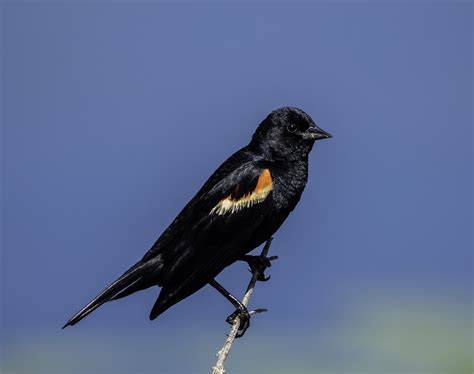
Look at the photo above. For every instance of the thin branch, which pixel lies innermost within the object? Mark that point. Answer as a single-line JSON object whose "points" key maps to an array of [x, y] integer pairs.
{"points": [[218, 368]]}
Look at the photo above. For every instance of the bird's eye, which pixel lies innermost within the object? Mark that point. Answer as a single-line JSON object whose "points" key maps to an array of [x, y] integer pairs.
{"points": [[291, 127]]}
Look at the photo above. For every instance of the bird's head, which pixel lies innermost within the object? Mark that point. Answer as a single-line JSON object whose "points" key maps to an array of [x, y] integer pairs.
{"points": [[288, 132]]}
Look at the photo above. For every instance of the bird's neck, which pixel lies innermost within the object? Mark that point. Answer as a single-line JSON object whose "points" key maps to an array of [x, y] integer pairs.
{"points": [[280, 152]]}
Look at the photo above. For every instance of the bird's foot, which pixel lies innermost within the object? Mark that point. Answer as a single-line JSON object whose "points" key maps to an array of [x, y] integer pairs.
{"points": [[244, 316], [258, 265], [244, 321]]}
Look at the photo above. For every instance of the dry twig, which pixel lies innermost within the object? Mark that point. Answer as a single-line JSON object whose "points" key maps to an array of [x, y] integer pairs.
{"points": [[218, 368]]}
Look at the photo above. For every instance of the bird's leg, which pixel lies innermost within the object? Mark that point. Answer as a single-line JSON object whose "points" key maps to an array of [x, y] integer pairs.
{"points": [[241, 310], [258, 265]]}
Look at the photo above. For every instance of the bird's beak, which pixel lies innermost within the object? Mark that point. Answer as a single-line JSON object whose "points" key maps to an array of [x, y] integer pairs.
{"points": [[316, 133]]}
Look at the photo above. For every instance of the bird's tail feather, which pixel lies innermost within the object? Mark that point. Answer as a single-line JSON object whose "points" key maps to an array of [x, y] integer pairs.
{"points": [[125, 284], [140, 284]]}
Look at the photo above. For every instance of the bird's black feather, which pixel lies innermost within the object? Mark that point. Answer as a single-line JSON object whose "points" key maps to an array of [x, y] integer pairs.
{"points": [[240, 206]]}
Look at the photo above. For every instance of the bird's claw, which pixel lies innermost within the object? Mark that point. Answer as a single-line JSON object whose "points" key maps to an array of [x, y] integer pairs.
{"points": [[258, 265], [244, 316], [244, 321], [257, 311]]}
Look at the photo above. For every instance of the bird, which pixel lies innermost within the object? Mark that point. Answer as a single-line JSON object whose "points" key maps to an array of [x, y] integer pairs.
{"points": [[242, 204]]}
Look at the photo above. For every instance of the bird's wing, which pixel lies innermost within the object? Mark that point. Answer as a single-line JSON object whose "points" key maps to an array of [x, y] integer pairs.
{"points": [[227, 177], [214, 228]]}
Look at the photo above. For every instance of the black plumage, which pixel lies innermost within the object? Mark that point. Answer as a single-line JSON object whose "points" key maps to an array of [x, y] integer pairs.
{"points": [[239, 207]]}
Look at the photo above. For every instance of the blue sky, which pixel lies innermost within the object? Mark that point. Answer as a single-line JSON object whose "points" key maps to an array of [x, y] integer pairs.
{"points": [[115, 114]]}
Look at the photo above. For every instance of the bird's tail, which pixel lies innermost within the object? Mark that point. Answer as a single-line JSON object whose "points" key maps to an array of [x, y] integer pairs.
{"points": [[134, 279]]}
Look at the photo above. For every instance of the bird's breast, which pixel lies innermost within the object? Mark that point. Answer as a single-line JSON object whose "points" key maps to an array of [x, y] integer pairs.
{"points": [[289, 184]]}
